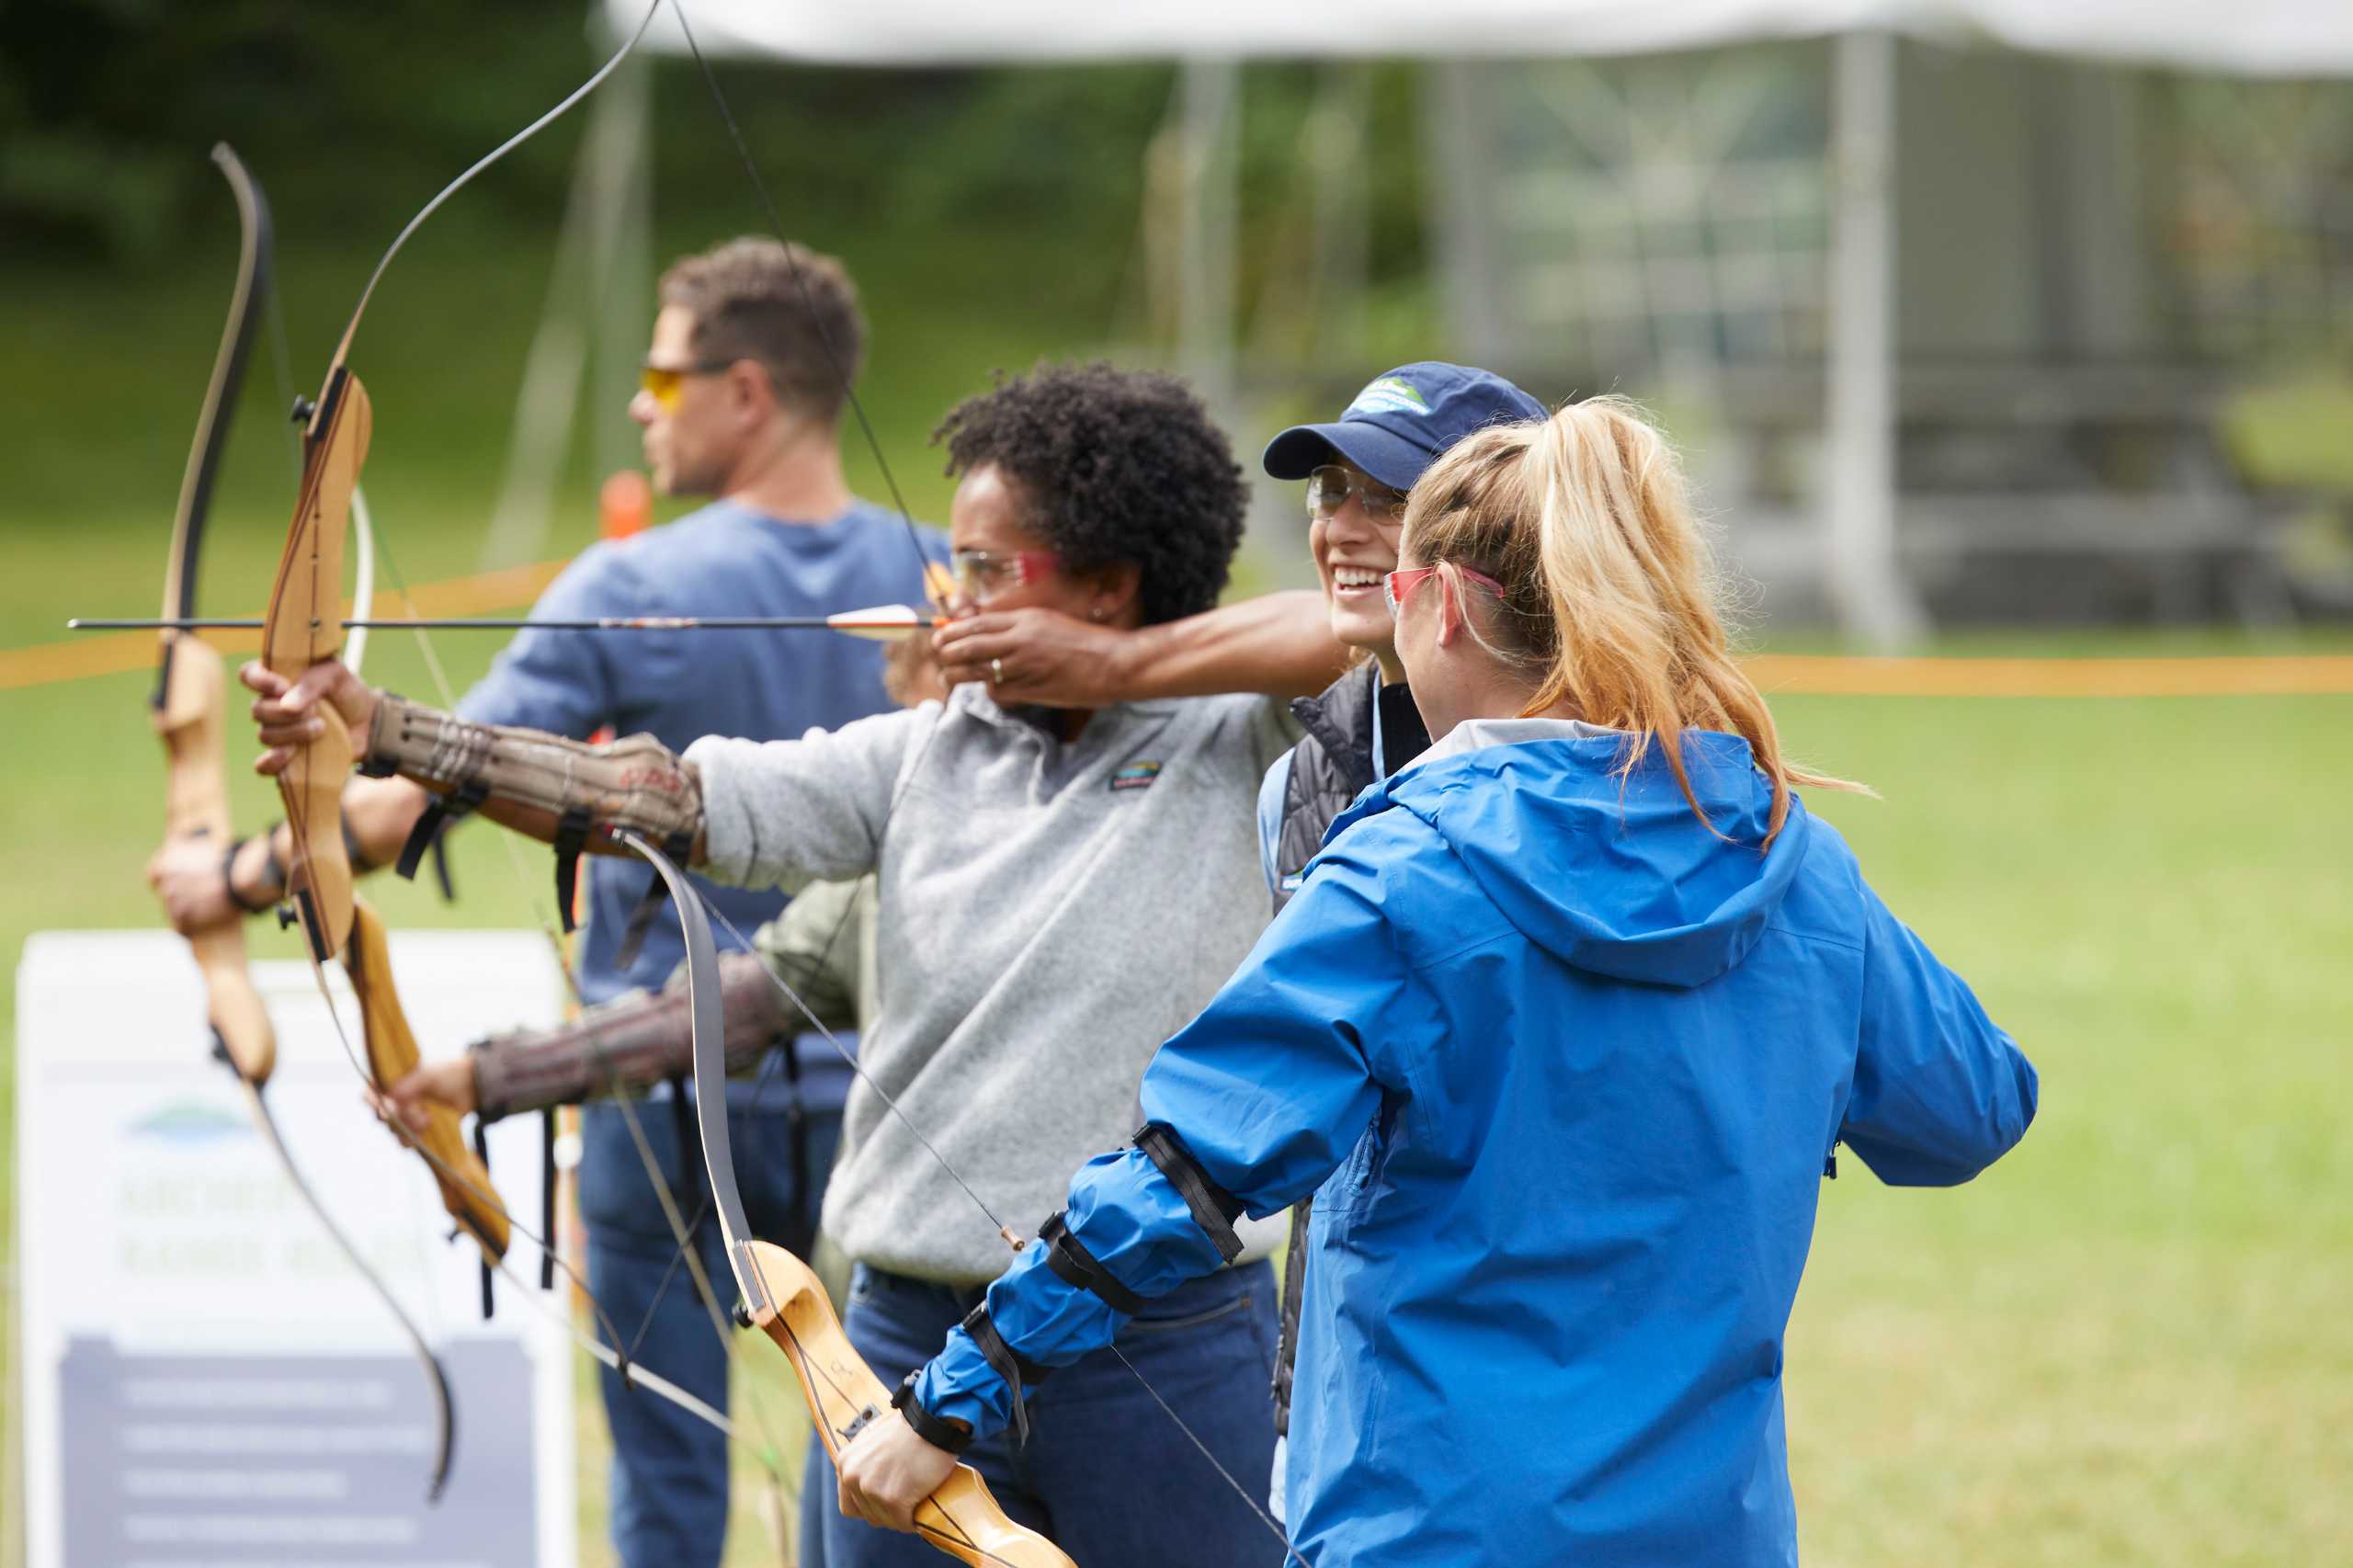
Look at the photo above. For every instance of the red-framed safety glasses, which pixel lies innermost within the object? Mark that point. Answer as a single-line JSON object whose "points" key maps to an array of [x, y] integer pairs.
{"points": [[981, 574], [1396, 585]]}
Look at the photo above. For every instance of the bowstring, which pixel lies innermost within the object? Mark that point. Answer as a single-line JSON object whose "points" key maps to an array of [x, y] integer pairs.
{"points": [[491, 1198], [836, 359], [664, 1194], [840, 369], [455, 186]]}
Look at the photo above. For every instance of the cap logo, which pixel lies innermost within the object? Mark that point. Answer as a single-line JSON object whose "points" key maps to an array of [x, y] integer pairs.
{"points": [[1390, 394]]}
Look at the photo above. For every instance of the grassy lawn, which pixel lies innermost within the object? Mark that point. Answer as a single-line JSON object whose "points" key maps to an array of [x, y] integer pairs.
{"points": [[2126, 1344], [2118, 1346]]}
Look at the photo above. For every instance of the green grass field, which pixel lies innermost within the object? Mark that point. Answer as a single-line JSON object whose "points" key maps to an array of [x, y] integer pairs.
{"points": [[2127, 1344]]}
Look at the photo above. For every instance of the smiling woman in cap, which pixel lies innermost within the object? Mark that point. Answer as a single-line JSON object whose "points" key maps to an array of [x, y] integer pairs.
{"points": [[1364, 726]]}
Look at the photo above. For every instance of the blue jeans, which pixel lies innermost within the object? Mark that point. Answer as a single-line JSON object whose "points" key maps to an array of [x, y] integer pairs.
{"points": [[1107, 1474], [669, 1473]]}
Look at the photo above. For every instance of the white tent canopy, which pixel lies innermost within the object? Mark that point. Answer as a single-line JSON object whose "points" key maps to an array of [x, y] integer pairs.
{"points": [[1856, 538], [2282, 38]]}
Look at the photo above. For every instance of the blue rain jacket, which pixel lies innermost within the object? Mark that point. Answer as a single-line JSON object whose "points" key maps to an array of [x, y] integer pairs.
{"points": [[1562, 1069]]}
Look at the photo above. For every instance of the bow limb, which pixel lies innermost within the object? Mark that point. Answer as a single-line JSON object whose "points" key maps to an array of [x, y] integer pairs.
{"points": [[784, 1299], [187, 711], [188, 702], [464, 1181]]}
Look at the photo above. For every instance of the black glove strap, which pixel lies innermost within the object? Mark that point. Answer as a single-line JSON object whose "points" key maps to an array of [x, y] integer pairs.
{"points": [[939, 1434], [229, 878], [441, 813], [571, 837], [548, 1135], [481, 1152]]}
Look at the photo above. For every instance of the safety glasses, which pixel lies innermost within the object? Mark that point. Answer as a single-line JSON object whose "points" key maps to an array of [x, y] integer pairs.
{"points": [[1396, 587], [666, 384], [1329, 487], [981, 574]]}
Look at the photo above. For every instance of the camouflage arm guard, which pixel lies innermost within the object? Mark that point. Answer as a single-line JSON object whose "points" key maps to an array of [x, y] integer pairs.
{"points": [[635, 782], [628, 1044]]}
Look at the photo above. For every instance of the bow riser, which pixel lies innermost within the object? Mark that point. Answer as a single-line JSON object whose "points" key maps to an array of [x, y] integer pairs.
{"points": [[188, 716], [464, 1181], [303, 627], [962, 1518]]}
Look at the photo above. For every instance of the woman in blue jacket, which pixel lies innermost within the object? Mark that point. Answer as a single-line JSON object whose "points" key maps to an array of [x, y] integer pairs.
{"points": [[1560, 1030]]}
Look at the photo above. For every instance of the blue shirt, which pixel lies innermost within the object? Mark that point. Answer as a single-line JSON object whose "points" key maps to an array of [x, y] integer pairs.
{"points": [[725, 560]]}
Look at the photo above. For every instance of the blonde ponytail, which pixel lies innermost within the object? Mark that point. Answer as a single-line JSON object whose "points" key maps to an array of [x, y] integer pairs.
{"points": [[1609, 603]]}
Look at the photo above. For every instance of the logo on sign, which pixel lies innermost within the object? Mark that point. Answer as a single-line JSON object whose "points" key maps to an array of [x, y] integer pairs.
{"points": [[186, 1121]]}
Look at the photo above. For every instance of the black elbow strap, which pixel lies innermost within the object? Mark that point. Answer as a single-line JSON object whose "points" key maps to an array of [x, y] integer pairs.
{"points": [[1019, 1372], [1214, 1208], [1077, 1267]]}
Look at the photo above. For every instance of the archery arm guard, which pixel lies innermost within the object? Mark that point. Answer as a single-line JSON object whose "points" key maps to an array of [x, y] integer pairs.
{"points": [[570, 792], [630, 1043]]}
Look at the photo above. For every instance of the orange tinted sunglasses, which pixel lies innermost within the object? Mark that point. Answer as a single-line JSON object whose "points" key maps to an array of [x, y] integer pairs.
{"points": [[666, 384]]}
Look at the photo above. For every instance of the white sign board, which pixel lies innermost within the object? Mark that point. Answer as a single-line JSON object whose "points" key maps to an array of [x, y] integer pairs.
{"points": [[207, 1380]]}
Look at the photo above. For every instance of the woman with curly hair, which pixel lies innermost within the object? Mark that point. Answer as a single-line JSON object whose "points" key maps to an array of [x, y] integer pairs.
{"points": [[1562, 1027], [1059, 891]]}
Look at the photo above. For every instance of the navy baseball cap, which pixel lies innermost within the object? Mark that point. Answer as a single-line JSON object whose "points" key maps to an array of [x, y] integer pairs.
{"points": [[1402, 422]]}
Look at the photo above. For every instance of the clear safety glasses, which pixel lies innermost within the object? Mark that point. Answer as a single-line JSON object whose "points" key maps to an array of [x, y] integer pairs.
{"points": [[1329, 487]]}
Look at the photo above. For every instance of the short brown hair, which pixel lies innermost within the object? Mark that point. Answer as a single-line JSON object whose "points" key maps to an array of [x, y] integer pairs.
{"points": [[792, 308]]}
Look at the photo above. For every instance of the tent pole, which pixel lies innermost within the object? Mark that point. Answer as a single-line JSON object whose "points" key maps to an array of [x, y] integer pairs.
{"points": [[585, 306], [621, 263], [1205, 288], [1867, 590], [1462, 219]]}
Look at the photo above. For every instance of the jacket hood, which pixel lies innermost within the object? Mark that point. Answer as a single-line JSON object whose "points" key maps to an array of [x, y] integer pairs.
{"points": [[1613, 875]]}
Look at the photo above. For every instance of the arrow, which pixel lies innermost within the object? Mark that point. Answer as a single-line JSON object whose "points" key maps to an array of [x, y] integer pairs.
{"points": [[882, 623]]}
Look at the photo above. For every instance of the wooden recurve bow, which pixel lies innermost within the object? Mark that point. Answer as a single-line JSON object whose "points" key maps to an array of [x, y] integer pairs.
{"points": [[302, 628], [188, 707], [785, 1300]]}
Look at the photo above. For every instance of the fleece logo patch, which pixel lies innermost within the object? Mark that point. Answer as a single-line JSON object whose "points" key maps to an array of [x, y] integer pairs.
{"points": [[1391, 394], [1135, 776]]}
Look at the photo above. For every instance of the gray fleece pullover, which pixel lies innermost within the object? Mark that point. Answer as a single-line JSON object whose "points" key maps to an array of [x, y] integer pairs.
{"points": [[1048, 913]]}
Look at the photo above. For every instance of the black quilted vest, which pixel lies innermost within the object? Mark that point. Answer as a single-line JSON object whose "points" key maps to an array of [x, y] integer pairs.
{"points": [[1330, 768], [1333, 764]]}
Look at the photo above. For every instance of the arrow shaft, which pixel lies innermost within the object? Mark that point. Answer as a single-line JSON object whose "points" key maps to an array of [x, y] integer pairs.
{"points": [[607, 623]]}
